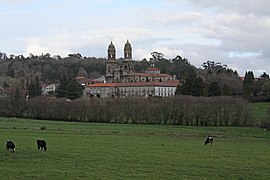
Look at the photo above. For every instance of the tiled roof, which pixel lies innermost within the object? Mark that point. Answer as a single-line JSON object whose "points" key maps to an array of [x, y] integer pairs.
{"points": [[102, 85], [86, 80], [152, 69], [152, 75], [81, 77], [173, 83]]}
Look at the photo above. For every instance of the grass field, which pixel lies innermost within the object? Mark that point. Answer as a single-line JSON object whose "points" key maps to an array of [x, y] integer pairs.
{"points": [[115, 151], [260, 110]]}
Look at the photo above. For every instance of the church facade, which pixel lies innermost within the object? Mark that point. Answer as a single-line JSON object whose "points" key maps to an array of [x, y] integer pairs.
{"points": [[117, 71], [122, 81]]}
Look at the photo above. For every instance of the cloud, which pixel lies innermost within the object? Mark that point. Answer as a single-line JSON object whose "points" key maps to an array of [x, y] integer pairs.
{"points": [[235, 33], [173, 18], [34, 45], [258, 7], [244, 54], [15, 2], [94, 43]]}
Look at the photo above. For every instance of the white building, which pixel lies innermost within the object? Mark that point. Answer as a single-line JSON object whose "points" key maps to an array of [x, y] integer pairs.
{"points": [[47, 88], [136, 89]]}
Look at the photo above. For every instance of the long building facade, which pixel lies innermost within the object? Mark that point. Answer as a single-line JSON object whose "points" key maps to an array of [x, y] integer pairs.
{"points": [[122, 81]]}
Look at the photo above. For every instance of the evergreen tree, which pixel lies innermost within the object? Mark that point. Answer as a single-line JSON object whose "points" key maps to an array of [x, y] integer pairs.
{"points": [[74, 90], [34, 89], [214, 89], [186, 86], [178, 89], [247, 91], [193, 85], [197, 87], [226, 90], [61, 89], [249, 78], [205, 89], [249, 82]]}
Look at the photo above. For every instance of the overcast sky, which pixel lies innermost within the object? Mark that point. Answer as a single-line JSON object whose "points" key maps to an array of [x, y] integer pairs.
{"points": [[233, 32]]}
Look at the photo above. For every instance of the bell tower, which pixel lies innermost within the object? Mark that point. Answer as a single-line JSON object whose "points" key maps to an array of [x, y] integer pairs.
{"points": [[128, 66], [111, 52], [111, 65], [127, 51]]}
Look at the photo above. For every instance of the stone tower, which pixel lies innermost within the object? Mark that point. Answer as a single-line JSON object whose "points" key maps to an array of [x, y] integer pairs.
{"points": [[112, 67], [127, 51], [111, 52], [128, 64]]}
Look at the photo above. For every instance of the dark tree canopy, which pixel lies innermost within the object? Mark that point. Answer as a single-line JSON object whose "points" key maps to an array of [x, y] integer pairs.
{"points": [[214, 89], [34, 88], [74, 90], [264, 75]]}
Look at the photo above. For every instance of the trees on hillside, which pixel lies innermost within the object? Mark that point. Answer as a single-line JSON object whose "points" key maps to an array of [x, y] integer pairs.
{"points": [[74, 90], [249, 79], [34, 88], [195, 81], [61, 89], [214, 89], [256, 87], [192, 85], [228, 81], [261, 87], [69, 89], [141, 66], [50, 69], [157, 55]]}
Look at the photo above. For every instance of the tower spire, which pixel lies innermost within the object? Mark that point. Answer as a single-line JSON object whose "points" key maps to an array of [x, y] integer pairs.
{"points": [[128, 51], [111, 52]]}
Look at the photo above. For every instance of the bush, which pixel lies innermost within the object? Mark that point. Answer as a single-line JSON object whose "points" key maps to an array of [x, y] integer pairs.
{"points": [[43, 127], [266, 123]]}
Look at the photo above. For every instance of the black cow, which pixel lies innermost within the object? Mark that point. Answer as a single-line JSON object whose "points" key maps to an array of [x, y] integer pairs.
{"points": [[10, 146], [41, 144], [209, 140]]}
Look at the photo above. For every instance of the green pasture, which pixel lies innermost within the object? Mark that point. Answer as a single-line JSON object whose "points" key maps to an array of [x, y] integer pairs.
{"points": [[118, 151], [260, 110]]}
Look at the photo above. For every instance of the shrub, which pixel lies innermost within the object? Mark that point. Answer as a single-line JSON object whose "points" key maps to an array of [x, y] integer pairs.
{"points": [[43, 127]]}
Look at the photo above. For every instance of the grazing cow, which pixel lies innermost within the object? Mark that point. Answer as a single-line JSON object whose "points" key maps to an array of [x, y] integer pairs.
{"points": [[10, 146], [209, 140], [41, 144]]}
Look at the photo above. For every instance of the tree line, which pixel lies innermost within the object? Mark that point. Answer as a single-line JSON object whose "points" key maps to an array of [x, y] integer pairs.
{"points": [[181, 110]]}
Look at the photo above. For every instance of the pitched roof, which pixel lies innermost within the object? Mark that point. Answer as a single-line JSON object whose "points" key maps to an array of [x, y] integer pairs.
{"points": [[152, 69], [102, 85], [173, 83], [152, 75]]}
